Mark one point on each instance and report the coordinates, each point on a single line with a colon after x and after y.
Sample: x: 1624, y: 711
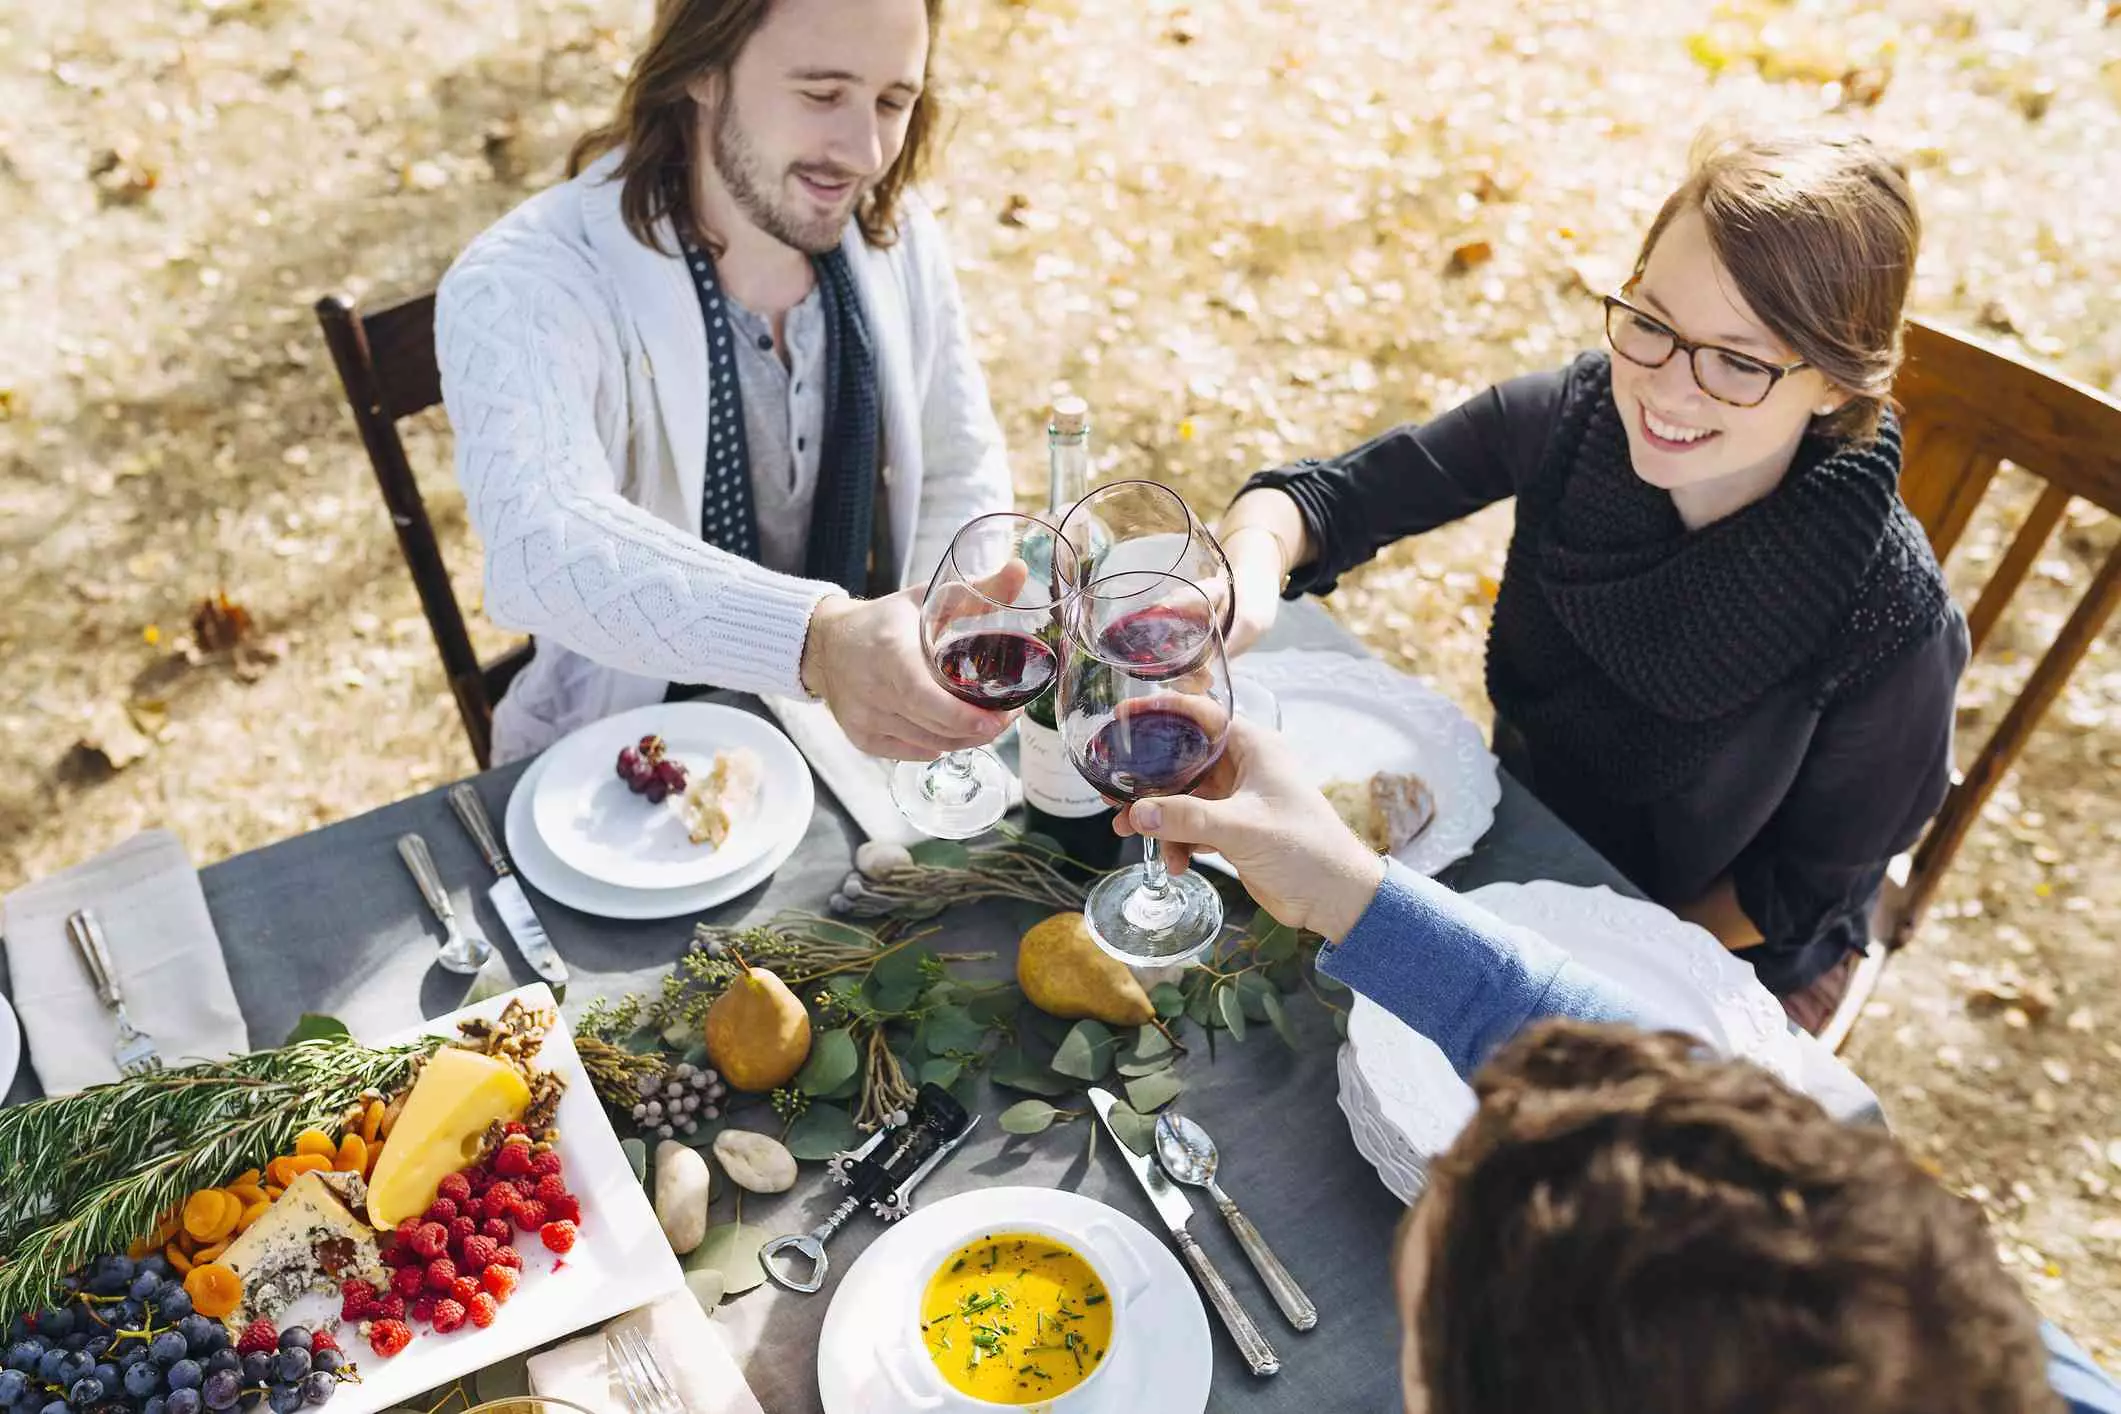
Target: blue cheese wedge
x: 311, y: 1239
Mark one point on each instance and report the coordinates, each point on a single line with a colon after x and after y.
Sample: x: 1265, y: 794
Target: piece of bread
x: 719, y: 795
x: 1389, y: 810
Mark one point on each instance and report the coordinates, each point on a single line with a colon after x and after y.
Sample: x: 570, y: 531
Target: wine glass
x: 990, y: 626
x: 1143, y: 712
x: 1146, y: 527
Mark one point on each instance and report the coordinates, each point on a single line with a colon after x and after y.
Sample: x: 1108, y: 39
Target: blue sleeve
x: 1461, y: 976
x: 2085, y: 1387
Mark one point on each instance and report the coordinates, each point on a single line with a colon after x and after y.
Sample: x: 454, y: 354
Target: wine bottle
x: 1058, y: 802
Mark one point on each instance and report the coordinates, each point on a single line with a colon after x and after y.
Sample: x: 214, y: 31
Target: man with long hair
x: 714, y: 398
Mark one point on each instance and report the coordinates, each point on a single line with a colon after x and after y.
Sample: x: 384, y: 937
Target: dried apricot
x: 246, y: 1193
x: 176, y: 1258
x: 353, y: 1155
x: 210, y: 1215
x: 209, y: 1254
x: 308, y: 1163
x: 273, y: 1191
x: 277, y: 1174
x: 215, y: 1290
x: 372, y: 1122
x: 252, y: 1212
x: 315, y: 1141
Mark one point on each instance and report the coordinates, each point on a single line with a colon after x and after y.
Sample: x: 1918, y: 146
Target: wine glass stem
x: 1156, y: 881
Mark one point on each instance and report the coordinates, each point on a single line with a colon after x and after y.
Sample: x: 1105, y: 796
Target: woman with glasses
x: 1722, y: 650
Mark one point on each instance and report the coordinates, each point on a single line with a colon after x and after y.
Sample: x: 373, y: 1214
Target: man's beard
x: 758, y: 193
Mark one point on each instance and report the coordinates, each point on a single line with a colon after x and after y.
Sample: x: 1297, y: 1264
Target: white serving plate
x: 594, y: 823
x: 1348, y: 717
x: 10, y: 1046
x: 552, y: 877
x: 1165, y: 1366
x: 620, y: 1261
x: 1680, y: 973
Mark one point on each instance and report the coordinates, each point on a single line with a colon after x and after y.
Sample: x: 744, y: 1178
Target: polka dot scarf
x: 843, y: 514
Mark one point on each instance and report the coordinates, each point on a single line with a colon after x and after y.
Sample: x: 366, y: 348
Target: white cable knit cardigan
x: 574, y: 368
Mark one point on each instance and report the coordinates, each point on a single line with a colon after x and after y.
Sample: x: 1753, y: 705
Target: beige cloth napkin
x: 861, y: 781
x: 686, y: 1344
x: 163, y: 946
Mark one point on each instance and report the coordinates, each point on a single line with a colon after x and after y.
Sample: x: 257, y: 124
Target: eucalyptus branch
x: 1023, y: 869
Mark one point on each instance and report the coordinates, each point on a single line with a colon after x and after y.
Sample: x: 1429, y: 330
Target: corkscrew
x: 881, y: 1174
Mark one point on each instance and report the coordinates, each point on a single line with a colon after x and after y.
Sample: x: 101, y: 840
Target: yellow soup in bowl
x: 1016, y: 1318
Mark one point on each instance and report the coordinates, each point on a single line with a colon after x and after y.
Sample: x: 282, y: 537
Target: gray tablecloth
x: 330, y: 922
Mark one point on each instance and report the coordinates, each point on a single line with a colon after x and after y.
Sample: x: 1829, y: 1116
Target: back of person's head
x: 1820, y: 234
x: 1631, y: 1227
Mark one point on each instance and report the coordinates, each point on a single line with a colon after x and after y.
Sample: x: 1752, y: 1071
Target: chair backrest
x: 386, y: 361
x: 1968, y: 407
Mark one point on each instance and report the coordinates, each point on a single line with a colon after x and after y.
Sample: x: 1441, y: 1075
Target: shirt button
x: 766, y: 342
x: 799, y: 385
x: 802, y: 443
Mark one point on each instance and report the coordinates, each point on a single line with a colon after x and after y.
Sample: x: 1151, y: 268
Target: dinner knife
x: 1177, y: 1210
x: 507, y: 892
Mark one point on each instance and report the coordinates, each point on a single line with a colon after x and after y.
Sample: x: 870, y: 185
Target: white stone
x: 880, y: 859
x: 757, y: 1163
x: 682, y: 1185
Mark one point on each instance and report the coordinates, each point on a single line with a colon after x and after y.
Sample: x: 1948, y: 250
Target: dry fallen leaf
x: 219, y: 623
x: 1469, y: 256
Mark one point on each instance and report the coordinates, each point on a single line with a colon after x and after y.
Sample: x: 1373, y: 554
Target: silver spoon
x: 1188, y: 1155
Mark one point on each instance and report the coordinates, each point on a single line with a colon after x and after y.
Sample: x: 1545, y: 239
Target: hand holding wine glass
x: 989, y: 629
x: 1144, y: 707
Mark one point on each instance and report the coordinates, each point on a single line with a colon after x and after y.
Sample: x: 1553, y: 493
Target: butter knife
x: 1176, y: 1210
x: 507, y: 892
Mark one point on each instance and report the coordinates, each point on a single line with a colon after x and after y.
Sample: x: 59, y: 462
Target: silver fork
x: 648, y: 1390
x: 134, y: 1051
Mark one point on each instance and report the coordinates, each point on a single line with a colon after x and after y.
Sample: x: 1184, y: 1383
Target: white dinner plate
x: 1680, y: 972
x: 553, y: 878
x: 1349, y: 717
x: 10, y: 1046
x: 594, y: 823
x: 1165, y: 1365
x: 621, y: 1259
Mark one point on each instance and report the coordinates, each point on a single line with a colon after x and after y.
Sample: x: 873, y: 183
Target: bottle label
x: 1051, y: 782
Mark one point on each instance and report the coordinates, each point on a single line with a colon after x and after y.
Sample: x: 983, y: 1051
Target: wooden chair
x: 1965, y: 407
x: 386, y: 361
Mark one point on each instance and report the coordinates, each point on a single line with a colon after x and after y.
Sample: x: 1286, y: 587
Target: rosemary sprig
x: 91, y: 1173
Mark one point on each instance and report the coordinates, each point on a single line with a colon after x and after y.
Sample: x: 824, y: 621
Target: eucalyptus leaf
x: 942, y: 1072
x: 1278, y: 1018
x: 1327, y: 982
x: 995, y: 1007
x: 1278, y: 943
x: 313, y: 1027
x: 1133, y: 1070
x: 952, y: 1029
x: 1200, y: 1008
x: 820, y: 1132
x: 846, y: 935
x: 1168, y: 1000
x: 1086, y: 1053
x: 1012, y: 1068
x: 1149, y: 1042
x: 636, y: 1151
x: 899, y: 995
x: 1340, y: 1024
x: 1152, y: 1092
x: 1038, y: 841
x: 941, y: 854
x: 1252, y: 989
x: 1028, y: 1117
x: 1134, y: 1129
x: 847, y: 1089
x: 1231, y: 1007
x: 733, y: 1250
x: 833, y: 1061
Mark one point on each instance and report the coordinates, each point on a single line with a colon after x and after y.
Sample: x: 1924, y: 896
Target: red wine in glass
x: 1158, y: 642
x: 998, y: 669
x: 1149, y: 751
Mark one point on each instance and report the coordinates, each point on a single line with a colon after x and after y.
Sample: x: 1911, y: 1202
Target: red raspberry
x: 449, y: 1316
x: 515, y: 1126
x: 407, y: 1281
x: 463, y: 1289
x: 355, y: 1299
x: 513, y: 1160
x: 530, y: 1215
x: 482, y: 1308
x: 550, y: 1190
x: 499, y: 1199
x: 423, y: 1310
x: 406, y: 1230
x: 499, y: 1280
x: 388, y: 1308
x: 480, y: 1180
x: 456, y: 1188
x: 321, y: 1338
x: 499, y: 1229
x: 431, y: 1241
x: 442, y: 1210
x: 508, y: 1257
x: 567, y: 1209
x: 557, y: 1237
x: 461, y: 1230
x: 258, y: 1336
x: 546, y: 1163
x: 478, y: 1254
x: 441, y: 1275
x: 400, y: 1254
x: 387, y: 1338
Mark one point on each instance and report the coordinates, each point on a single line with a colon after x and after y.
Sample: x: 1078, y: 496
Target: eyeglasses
x: 1726, y: 375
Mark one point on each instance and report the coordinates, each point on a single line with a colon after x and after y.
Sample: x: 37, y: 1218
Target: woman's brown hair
x: 657, y: 119
x: 1820, y: 234
x: 1631, y: 1226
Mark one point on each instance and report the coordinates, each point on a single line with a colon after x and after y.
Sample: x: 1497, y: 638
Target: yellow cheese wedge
x: 456, y: 1097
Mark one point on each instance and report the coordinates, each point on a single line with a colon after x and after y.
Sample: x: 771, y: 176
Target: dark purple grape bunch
x: 648, y: 770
